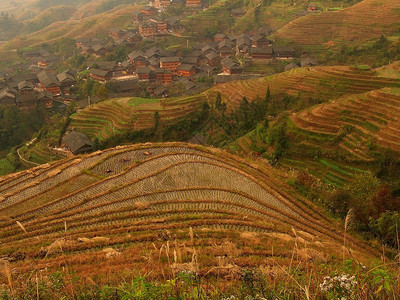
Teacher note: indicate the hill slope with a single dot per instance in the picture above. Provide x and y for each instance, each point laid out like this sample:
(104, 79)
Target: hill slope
(364, 21)
(137, 198)
(324, 83)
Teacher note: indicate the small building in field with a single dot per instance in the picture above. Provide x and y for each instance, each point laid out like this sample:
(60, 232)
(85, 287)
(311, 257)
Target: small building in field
(161, 92)
(291, 66)
(77, 142)
(237, 13)
(308, 62)
(312, 8)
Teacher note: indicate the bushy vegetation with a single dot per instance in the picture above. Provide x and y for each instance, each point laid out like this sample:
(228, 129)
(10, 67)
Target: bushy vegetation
(350, 280)
(376, 54)
(17, 126)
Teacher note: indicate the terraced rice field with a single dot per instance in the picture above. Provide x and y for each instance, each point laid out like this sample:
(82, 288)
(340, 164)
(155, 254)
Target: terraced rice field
(371, 117)
(364, 21)
(143, 203)
(324, 82)
(118, 115)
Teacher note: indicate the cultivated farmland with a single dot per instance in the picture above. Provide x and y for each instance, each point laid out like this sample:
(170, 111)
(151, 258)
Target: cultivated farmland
(378, 124)
(359, 23)
(161, 208)
(117, 115)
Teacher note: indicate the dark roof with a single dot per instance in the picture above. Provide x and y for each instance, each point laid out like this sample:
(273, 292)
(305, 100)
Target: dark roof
(186, 67)
(220, 36)
(143, 70)
(304, 62)
(125, 85)
(225, 43)
(77, 142)
(230, 64)
(160, 90)
(102, 64)
(135, 54)
(188, 85)
(98, 72)
(48, 79)
(198, 139)
(257, 50)
(64, 76)
(212, 55)
(226, 78)
(25, 84)
(191, 60)
(4, 93)
(44, 95)
(169, 59)
(238, 11)
(291, 66)
(283, 49)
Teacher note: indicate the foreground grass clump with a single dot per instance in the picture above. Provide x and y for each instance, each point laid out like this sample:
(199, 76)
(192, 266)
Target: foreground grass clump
(349, 280)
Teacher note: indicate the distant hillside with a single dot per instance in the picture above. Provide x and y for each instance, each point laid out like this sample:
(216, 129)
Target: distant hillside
(362, 22)
(114, 116)
(166, 203)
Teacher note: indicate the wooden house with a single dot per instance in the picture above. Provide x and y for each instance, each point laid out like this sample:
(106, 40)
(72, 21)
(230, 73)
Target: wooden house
(312, 8)
(143, 73)
(283, 52)
(186, 70)
(291, 66)
(161, 92)
(231, 67)
(25, 87)
(262, 53)
(193, 3)
(213, 58)
(237, 13)
(77, 142)
(45, 98)
(7, 97)
(147, 29)
(137, 59)
(49, 82)
(219, 37)
(100, 75)
(171, 63)
(260, 41)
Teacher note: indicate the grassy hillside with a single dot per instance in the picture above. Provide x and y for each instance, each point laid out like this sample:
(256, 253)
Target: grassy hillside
(159, 209)
(317, 83)
(324, 82)
(364, 21)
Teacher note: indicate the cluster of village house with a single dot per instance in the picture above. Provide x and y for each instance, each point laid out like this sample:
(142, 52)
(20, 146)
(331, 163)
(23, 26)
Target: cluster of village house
(157, 67)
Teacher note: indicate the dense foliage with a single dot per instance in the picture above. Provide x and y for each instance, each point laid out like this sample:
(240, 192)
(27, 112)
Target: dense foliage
(17, 126)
